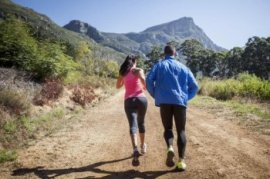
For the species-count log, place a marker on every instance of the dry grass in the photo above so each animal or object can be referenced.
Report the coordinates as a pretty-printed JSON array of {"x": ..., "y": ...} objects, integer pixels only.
[
  {"x": 83, "y": 95},
  {"x": 14, "y": 103}
]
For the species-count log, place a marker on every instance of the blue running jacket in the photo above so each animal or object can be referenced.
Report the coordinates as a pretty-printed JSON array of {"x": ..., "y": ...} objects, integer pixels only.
[{"x": 171, "y": 82}]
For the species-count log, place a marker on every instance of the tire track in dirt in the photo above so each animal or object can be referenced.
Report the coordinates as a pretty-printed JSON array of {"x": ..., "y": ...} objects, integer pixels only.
[{"x": 97, "y": 145}]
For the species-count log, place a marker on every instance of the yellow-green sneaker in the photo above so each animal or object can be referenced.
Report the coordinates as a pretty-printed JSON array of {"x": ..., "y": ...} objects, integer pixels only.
[{"x": 181, "y": 165}]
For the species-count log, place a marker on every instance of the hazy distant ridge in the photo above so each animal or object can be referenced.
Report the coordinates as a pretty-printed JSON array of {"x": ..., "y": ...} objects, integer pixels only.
[{"x": 178, "y": 30}]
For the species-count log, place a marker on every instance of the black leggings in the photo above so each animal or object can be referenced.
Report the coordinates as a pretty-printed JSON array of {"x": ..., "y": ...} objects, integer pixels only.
[
  {"x": 135, "y": 109},
  {"x": 167, "y": 112}
]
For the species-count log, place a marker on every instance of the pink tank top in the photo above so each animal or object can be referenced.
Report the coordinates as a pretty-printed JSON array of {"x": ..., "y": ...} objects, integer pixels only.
[{"x": 133, "y": 86}]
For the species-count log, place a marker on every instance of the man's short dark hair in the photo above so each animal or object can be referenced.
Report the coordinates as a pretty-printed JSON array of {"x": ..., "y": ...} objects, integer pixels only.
[{"x": 169, "y": 50}]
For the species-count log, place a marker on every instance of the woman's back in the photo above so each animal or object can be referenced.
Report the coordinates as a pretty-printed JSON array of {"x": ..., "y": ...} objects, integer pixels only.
[{"x": 132, "y": 84}]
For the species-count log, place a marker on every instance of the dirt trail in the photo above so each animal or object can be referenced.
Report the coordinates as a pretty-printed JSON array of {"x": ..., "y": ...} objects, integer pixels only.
[{"x": 98, "y": 146}]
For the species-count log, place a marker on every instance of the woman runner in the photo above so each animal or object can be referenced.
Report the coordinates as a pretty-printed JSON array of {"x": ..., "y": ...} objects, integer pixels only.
[{"x": 133, "y": 79}]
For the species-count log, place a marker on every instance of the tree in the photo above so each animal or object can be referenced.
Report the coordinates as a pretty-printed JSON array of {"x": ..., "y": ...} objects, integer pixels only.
[
  {"x": 219, "y": 65},
  {"x": 199, "y": 59},
  {"x": 18, "y": 48},
  {"x": 52, "y": 62},
  {"x": 256, "y": 57},
  {"x": 234, "y": 62},
  {"x": 84, "y": 56},
  {"x": 154, "y": 56},
  {"x": 16, "y": 44}
]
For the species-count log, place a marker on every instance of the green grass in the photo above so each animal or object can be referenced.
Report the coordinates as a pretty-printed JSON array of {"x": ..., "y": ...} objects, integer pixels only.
[
  {"x": 6, "y": 155},
  {"x": 32, "y": 124},
  {"x": 244, "y": 109},
  {"x": 27, "y": 123},
  {"x": 10, "y": 127},
  {"x": 239, "y": 108}
]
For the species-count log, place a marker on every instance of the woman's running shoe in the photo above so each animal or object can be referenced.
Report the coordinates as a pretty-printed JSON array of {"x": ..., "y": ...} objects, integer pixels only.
[
  {"x": 135, "y": 160},
  {"x": 170, "y": 157},
  {"x": 143, "y": 149}
]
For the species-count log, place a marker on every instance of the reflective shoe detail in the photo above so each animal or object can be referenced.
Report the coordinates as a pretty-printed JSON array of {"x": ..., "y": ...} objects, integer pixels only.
[{"x": 181, "y": 165}]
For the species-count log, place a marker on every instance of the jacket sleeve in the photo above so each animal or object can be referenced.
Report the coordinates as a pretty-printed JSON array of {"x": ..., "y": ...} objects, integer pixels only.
[
  {"x": 150, "y": 81},
  {"x": 192, "y": 85}
]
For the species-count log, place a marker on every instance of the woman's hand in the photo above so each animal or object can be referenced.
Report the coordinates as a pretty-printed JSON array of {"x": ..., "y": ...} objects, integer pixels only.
[{"x": 119, "y": 82}]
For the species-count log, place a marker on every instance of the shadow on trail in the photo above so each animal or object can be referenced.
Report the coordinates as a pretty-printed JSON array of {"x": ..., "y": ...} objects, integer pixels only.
[{"x": 44, "y": 173}]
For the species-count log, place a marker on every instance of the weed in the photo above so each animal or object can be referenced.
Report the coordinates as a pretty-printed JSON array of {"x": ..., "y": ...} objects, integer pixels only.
[{"x": 7, "y": 156}]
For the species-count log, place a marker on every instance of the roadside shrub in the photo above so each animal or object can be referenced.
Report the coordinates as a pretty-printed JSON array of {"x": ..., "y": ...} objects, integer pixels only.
[
  {"x": 83, "y": 95},
  {"x": 51, "y": 62},
  {"x": 245, "y": 85},
  {"x": 253, "y": 86},
  {"x": 110, "y": 69},
  {"x": 51, "y": 90},
  {"x": 222, "y": 92},
  {"x": 13, "y": 102},
  {"x": 73, "y": 78}
]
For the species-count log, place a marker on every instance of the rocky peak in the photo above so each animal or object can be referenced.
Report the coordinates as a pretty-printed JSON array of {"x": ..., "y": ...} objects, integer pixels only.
[
  {"x": 84, "y": 28},
  {"x": 181, "y": 25}
]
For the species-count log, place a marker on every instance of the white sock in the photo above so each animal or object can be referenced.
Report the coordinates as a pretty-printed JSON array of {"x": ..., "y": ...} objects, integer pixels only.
[{"x": 171, "y": 141}]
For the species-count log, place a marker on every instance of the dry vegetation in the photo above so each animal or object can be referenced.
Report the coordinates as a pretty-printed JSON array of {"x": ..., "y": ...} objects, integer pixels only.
[{"x": 29, "y": 110}]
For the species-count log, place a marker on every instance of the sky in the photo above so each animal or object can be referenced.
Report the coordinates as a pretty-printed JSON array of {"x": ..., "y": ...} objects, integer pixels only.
[{"x": 228, "y": 23}]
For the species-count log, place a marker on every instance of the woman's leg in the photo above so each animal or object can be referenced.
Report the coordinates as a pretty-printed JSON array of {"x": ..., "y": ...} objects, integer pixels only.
[
  {"x": 141, "y": 103},
  {"x": 131, "y": 114}
]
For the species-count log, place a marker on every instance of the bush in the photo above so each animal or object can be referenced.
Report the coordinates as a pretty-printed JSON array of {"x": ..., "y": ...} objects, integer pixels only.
[
  {"x": 253, "y": 86},
  {"x": 73, "y": 78},
  {"x": 14, "y": 102},
  {"x": 245, "y": 85},
  {"x": 83, "y": 94},
  {"x": 51, "y": 90},
  {"x": 51, "y": 62}
]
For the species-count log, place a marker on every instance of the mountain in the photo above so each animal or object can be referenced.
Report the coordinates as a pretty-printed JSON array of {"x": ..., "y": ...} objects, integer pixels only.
[
  {"x": 142, "y": 42},
  {"x": 85, "y": 29},
  {"x": 45, "y": 28}
]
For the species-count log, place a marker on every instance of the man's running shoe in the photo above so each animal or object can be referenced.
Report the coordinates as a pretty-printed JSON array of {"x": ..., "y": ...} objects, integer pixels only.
[
  {"x": 170, "y": 157},
  {"x": 135, "y": 160},
  {"x": 143, "y": 149},
  {"x": 181, "y": 165}
]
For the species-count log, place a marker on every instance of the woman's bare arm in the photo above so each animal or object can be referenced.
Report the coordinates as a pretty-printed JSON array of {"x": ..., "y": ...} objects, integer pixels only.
[
  {"x": 119, "y": 82},
  {"x": 142, "y": 78}
]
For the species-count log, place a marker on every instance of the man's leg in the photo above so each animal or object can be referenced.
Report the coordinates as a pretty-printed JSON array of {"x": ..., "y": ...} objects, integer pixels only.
[
  {"x": 180, "y": 124},
  {"x": 166, "y": 112}
]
